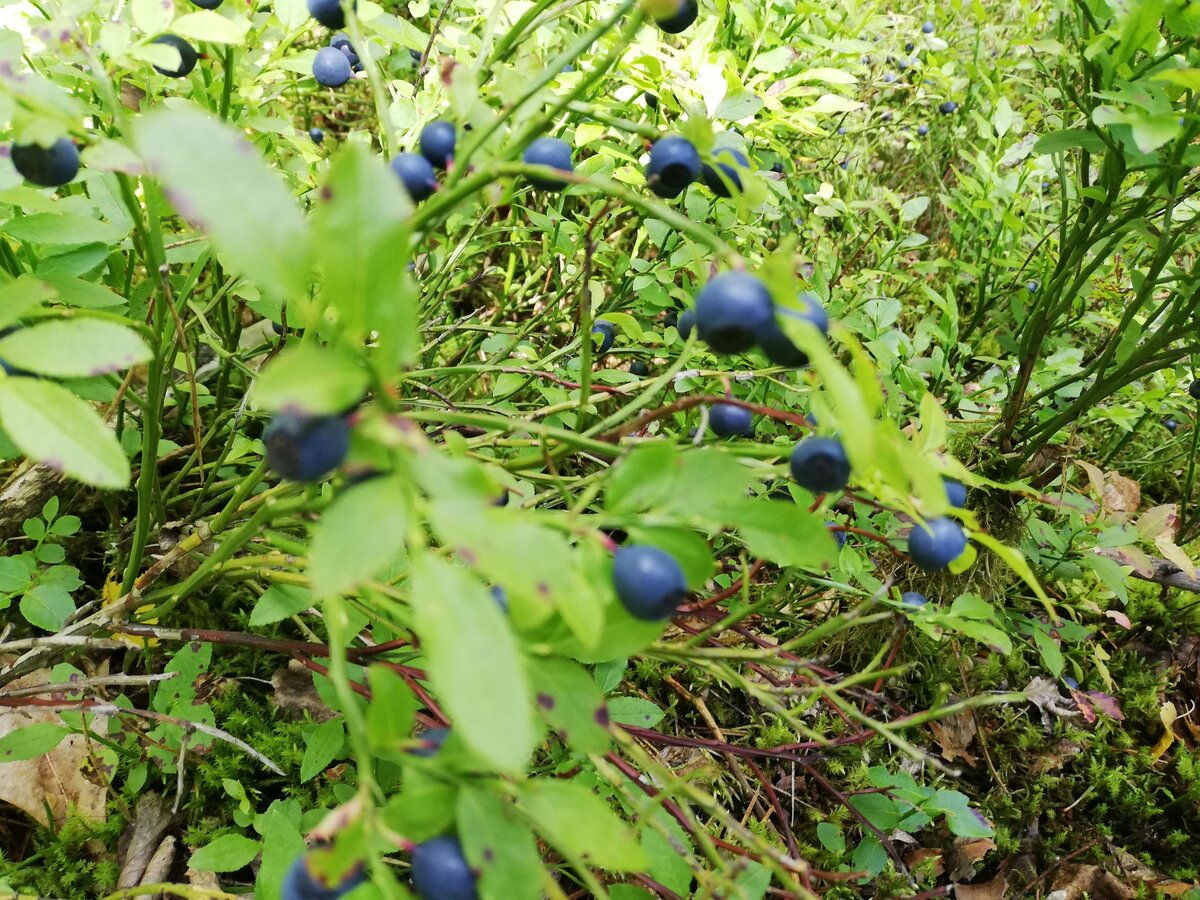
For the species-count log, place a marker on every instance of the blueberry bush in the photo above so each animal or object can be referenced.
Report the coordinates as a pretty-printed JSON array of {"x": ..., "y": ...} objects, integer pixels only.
[{"x": 615, "y": 448}]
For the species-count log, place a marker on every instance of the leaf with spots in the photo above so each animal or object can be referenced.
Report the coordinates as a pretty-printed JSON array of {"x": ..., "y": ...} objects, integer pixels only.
[
  {"x": 30, "y": 741},
  {"x": 499, "y": 846},
  {"x": 634, "y": 711},
  {"x": 581, "y": 825},
  {"x": 570, "y": 702}
]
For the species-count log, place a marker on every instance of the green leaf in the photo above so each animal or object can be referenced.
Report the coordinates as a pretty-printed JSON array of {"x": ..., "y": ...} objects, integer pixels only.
[
  {"x": 423, "y": 808},
  {"x": 877, "y": 809},
  {"x": 21, "y": 296},
  {"x": 869, "y": 856},
  {"x": 359, "y": 534},
  {"x": 643, "y": 479},
  {"x": 310, "y": 378},
  {"x": 667, "y": 854},
  {"x": 580, "y": 824},
  {"x": 499, "y": 847},
  {"x": 963, "y": 821},
  {"x": 473, "y": 663},
  {"x": 913, "y": 208},
  {"x": 322, "y": 747},
  {"x": 1058, "y": 141},
  {"x": 570, "y": 702},
  {"x": 15, "y": 572},
  {"x": 70, "y": 348},
  {"x": 737, "y": 106},
  {"x": 1050, "y": 651},
  {"x": 278, "y": 602},
  {"x": 47, "y": 606},
  {"x": 360, "y": 239},
  {"x": 219, "y": 182},
  {"x": 391, "y": 710},
  {"x": 211, "y": 27},
  {"x": 54, "y": 427},
  {"x": 784, "y": 533},
  {"x": 831, "y": 838},
  {"x": 706, "y": 480},
  {"x": 228, "y": 853},
  {"x": 634, "y": 711},
  {"x": 62, "y": 228},
  {"x": 282, "y": 843},
  {"x": 31, "y": 741}
]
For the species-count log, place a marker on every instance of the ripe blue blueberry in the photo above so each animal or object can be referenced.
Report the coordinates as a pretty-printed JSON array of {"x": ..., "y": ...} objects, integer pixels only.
[
  {"x": 441, "y": 872},
  {"x": 639, "y": 368},
  {"x": 1194, "y": 390},
  {"x": 347, "y": 51},
  {"x": 685, "y": 323},
  {"x": 684, "y": 16},
  {"x": 1032, "y": 285},
  {"x": 208, "y": 4},
  {"x": 187, "y": 55},
  {"x": 728, "y": 420},
  {"x": 956, "y": 492},
  {"x": 889, "y": 77},
  {"x": 437, "y": 143},
  {"x": 674, "y": 164},
  {"x": 340, "y": 40},
  {"x": 607, "y": 333},
  {"x": 947, "y": 107},
  {"x": 927, "y": 28},
  {"x": 317, "y": 135},
  {"x": 937, "y": 543},
  {"x": 548, "y": 151},
  {"x": 922, "y": 130},
  {"x": 416, "y": 174},
  {"x": 723, "y": 178},
  {"x": 501, "y": 597},
  {"x": 733, "y": 311},
  {"x": 913, "y": 598},
  {"x": 1170, "y": 424},
  {"x": 885, "y": 116},
  {"x": 329, "y": 12},
  {"x": 300, "y": 883},
  {"x": 305, "y": 448},
  {"x": 47, "y": 166},
  {"x": 648, "y": 581},
  {"x": 779, "y": 347},
  {"x": 431, "y": 742},
  {"x": 331, "y": 68},
  {"x": 838, "y": 534},
  {"x": 908, "y": 48},
  {"x": 820, "y": 465}
]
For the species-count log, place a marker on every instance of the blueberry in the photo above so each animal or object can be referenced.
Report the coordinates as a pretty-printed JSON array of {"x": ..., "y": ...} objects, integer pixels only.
[
  {"x": 927, "y": 28},
  {"x": 1170, "y": 424},
  {"x": 329, "y": 12},
  {"x": 889, "y": 77},
  {"x": 820, "y": 465},
  {"x": 1032, "y": 285},
  {"x": 671, "y": 318},
  {"x": 416, "y": 174},
  {"x": 437, "y": 143},
  {"x": 208, "y": 4},
  {"x": 885, "y": 116},
  {"x": 728, "y": 420},
  {"x": 733, "y": 311},
  {"x": 501, "y": 597},
  {"x": 47, "y": 166},
  {"x": 441, "y": 872},
  {"x": 686, "y": 322},
  {"x": 1194, "y": 390},
  {"x": 340, "y": 40},
  {"x": 331, "y": 68},
  {"x": 723, "y": 178},
  {"x": 187, "y": 55},
  {"x": 305, "y": 448},
  {"x": 909, "y": 47},
  {"x": 607, "y": 332},
  {"x": 842, "y": 130},
  {"x": 922, "y": 130},
  {"x": 431, "y": 742},
  {"x": 639, "y": 368},
  {"x": 956, "y": 492},
  {"x": 674, "y": 164},
  {"x": 684, "y": 16},
  {"x": 937, "y": 544},
  {"x": 648, "y": 581},
  {"x": 913, "y": 598},
  {"x": 301, "y": 884},
  {"x": 1071, "y": 682},
  {"x": 317, "y": 135},
  {"x": 347, "y": 51},
  {"x": 548, "y": 151},
  {"x": 947, "y": 107},
  {"x": 502, "y": 500},
  {"x": 779, "y": 347},
  {"x": 651, "y": 100},
  {"x": 838, "y": 534}
]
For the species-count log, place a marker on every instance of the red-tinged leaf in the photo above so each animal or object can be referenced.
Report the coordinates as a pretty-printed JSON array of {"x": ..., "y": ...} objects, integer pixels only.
[
  {"x": 1119, "y": 617},
  {"x": 1106, "y": 704}
]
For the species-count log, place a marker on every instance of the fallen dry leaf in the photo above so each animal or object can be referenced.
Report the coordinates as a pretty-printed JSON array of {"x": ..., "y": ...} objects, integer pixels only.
[
  {"x": 1122, "y": 496},
  {"x": 954, "y": 734},
  {"x": 1053, "y": 759},
  {"x": 57, "y": 779},
  {"x": 987, "y": 890},
  {"x": 1043, "y": 693},
  {"x": 1077, "y": 882},
  {"x": 141, "y": 840},
  {"x": 928, "y": 857},
  {"x": 965, "y": 855},
  {"x": 295, "y": 696}
]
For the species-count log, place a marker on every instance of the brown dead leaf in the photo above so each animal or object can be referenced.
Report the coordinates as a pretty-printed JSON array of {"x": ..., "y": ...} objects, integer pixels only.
[
  {"x": 925, "y": 856},
  {"x": 1077, "y": 882},
  {"x": 954, "y": 734},
  {"x": 965, "y": 855},
  {"x": 57, "y": 779},
  {"x": 987, "y": 890},
  {"x": 1054, "y": 758},
  {"x": 1122, "y": 496},
  {"x": 1043, "y": 693},
  {"x": 295, "y": 696}
]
